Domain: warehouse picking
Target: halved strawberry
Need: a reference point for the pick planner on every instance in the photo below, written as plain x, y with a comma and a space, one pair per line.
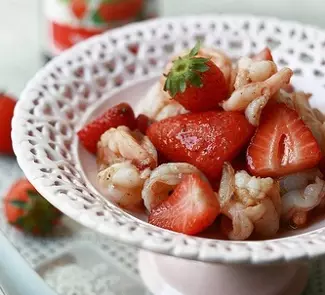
205, 140
265, 54
282, 144
190, 209
121, 114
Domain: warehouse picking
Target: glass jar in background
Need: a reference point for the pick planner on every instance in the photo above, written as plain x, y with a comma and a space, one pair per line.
67, 22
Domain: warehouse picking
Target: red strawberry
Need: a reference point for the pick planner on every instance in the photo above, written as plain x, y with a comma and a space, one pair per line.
196, 82
265, 54
190, 209
121, 114
79, 8
283, 144
7, 106
205, 140
143, 122
28, 211
119, 10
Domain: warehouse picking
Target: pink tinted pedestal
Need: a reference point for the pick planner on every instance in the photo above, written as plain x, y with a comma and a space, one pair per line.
165, 275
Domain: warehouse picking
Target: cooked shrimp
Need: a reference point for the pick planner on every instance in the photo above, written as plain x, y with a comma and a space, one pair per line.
163, 180
252, 203
319, 115
170, 110
264, 54
302, 106
282, 96
254, 109
123, 183
242, 219
249, 189
243, 96
253, 71
297, 203
158, 105
120, 144
299, 180
227, 184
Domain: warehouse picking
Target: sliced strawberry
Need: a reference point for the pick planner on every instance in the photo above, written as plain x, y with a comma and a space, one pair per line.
282, 144
265, 54
190, 209
121, 114
143, 123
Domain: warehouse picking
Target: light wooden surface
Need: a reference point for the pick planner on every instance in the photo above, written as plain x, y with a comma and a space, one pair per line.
20, 26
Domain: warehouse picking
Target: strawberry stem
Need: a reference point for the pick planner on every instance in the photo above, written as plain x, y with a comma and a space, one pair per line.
186, 72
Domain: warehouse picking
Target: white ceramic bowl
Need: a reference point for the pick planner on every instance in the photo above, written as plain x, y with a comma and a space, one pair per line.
103, 71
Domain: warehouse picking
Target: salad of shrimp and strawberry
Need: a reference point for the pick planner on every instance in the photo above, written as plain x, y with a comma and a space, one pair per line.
215, 141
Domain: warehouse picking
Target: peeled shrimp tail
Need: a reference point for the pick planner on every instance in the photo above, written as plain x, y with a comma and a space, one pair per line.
253, 71
254, 109
269, 223
279, 80
303, 200
242, 219
243, 96
227, 184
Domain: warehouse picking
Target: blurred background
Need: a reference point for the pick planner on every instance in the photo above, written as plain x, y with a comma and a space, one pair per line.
21, 26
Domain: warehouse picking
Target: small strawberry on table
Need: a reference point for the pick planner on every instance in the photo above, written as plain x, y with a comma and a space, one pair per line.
28, 211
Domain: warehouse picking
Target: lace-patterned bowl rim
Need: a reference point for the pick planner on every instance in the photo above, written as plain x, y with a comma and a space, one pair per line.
48, 114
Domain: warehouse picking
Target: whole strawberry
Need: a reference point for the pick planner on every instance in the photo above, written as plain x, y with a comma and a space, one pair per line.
28, 211
7, 106
196, 82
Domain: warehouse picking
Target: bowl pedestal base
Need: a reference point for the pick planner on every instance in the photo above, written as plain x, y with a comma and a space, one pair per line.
165, 275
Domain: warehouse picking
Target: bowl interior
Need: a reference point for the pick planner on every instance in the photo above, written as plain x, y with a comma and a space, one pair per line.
133, 95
